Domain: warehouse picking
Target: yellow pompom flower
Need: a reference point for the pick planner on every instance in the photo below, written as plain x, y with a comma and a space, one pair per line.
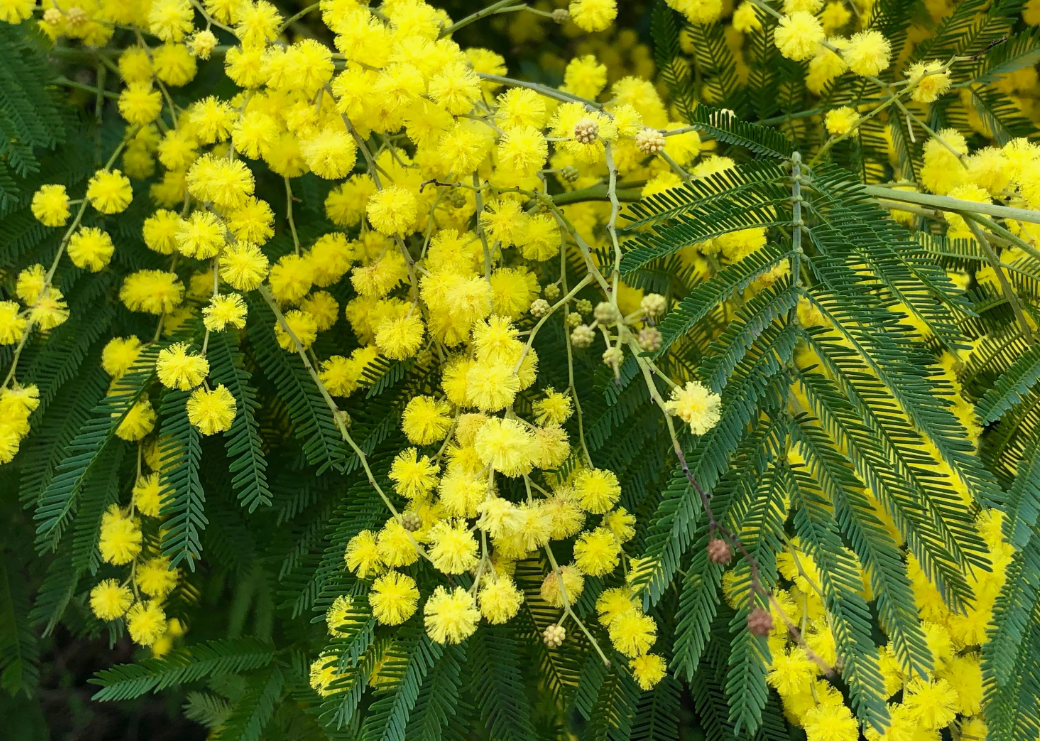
798, 35
648, 670
491, 387
633, 633
453, 549
120, 537
323, 307
119, 354
160, 231
450, 617
593, 15
211, 411
200, 236
330, 154
138, 422
392, 211
614, 602
146, 622
455, 88
12, 324
505, 445
155, 578
596, 553
139, 104
226, 183
171, 20
398, 339
362, 555
425, 420
226, 310
928, 81
572, 585
396, 545
840, 120
243, 266
90, 248
49, 310
50, 205
291, 278
499, 599
152, 291
597, 490
522, 150
298, 331
393, 598
553, 409
933, 703
178, 368
147, 495
696, 405
413, 476
109, 600
109, 191
16, 11
830, 722
867, 53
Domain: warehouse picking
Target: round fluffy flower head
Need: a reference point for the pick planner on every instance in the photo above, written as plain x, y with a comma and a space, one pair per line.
16, 11
597, 490
12, 324
396, 544
453, 548
139, 103
398, 339
450, 617
593, 15
596, 553
929, 81
553, 409
340, 614
648, 670
226, 310
455, 88
523, 150
413, 476
867, 53
109, 600
147, 495
200, 236
696, 405
50, 205
138, 422
633, 633
362, 555
840, 120
109, 191
160, 231
499, 599
120, 538
243, 266
298, 331
30, 284
830, 722
614, 602
330, 154
425, 420
573, 582
152, 291
505, 445
798, 35
119, 354
933, 703
180, 369
226, 183
155, 578
171, 20
392, 211
393, 598
146, 622
90, 248
491, 387
211, 411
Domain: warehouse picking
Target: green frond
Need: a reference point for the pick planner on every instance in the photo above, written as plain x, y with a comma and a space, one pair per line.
253, 711
19, 645
182, 666
184, 501
496, 684
59, 500
243, 443
1011, 387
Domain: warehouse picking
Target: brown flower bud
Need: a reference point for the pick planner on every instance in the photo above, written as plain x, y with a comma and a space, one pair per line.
760, 622
719, 551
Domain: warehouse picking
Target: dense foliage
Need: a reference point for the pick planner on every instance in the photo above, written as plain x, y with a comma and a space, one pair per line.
536, 370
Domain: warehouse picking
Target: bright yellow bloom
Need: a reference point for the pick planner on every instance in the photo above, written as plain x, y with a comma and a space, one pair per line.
394, 598
211, 411
450, 617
